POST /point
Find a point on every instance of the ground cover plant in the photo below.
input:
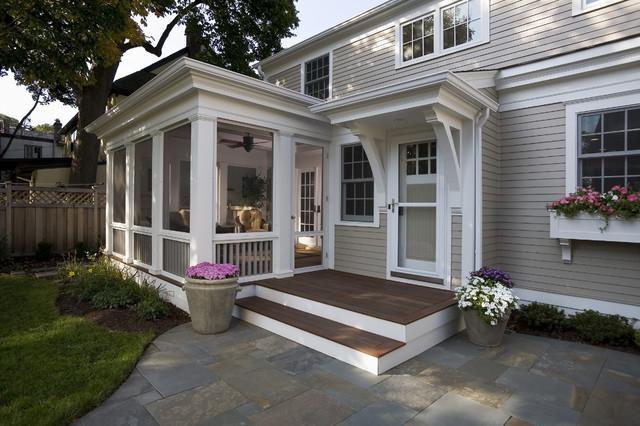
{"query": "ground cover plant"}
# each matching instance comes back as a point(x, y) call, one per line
point(55, 368)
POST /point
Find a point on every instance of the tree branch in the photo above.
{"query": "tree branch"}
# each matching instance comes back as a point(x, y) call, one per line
point(15, 131)
point(157, 49)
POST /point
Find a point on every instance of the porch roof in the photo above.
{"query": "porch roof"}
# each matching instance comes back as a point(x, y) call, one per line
point(186, 75)
point(444, 88)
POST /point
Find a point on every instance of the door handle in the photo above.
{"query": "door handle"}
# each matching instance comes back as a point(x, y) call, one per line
point(392, 206)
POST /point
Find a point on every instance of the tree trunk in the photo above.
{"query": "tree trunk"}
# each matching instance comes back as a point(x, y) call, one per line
point(92, 102)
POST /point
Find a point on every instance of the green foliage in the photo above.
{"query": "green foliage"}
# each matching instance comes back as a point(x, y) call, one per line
point(542, 317)
point(105, 286)
point(151, 305)
point(636, 338)
point(54, 369)
point(594, 327)
point(44, 128)
point(44, 250)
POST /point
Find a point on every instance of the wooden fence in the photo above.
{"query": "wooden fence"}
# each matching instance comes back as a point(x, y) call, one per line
point(61, 216)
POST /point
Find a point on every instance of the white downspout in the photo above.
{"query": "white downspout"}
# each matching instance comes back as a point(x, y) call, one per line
point(480, 120)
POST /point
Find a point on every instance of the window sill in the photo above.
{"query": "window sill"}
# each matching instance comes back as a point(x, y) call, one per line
point(592, 228)
point(359, 224)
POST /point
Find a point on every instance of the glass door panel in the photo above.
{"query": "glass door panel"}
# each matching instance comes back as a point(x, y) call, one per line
point(417, 206)
point(308, 232)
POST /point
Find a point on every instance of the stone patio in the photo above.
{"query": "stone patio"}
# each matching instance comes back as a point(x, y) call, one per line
point(249, 376)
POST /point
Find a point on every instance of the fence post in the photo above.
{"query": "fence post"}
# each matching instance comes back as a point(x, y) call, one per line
point(96, 223)
point(9, 217)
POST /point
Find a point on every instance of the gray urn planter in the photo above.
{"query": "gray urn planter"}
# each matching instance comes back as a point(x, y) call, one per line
point(211, 303)
point(482, 334)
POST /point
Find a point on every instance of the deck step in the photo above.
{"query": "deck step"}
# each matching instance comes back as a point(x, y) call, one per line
point(351, 337)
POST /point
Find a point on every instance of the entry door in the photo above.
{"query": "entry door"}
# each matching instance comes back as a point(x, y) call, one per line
point(308, 230)
point(414, 209)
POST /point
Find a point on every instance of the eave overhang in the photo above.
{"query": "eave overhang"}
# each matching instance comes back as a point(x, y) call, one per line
point(445, 89)
point(187, 75)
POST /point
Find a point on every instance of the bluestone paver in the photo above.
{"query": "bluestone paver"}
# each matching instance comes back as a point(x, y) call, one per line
point(411, 391)
point(382, 413)
point(455, 410)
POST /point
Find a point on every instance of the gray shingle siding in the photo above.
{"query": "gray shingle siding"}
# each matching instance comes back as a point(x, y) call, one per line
point(362, 250)
point(521, 31)
point(532, 175)
point(289, 78)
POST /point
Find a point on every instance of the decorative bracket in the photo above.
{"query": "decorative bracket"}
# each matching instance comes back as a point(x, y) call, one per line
point(367, 135)
point(443, 123)
point(565, 246)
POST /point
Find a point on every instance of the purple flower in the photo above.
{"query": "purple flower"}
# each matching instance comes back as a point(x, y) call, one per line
point(212, 271)
point(495, 275)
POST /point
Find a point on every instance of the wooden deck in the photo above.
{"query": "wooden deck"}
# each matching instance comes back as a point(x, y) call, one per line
point(388, 300)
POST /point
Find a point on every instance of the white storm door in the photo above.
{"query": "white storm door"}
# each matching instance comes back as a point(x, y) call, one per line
point(414, 209)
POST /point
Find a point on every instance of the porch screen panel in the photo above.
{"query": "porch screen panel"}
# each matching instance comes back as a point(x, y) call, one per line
point(142, 248)
point(142, 184)
point(118, 241)
point(175, 256)
point(119, 185)
point(177, 179)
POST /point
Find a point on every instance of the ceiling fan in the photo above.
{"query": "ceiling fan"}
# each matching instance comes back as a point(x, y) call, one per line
point(248, 142)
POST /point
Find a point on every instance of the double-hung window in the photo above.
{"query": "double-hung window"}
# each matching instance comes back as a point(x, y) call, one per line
point(460, 23)
point(32, 151)
point(417, 38)
point(357, 185)
point(583, 6)
point(316, 77)
point(609, 148)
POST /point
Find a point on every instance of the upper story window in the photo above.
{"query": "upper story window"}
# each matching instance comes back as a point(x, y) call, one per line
point(316, 77)
point(417, 38)
point(357, 185)
point(32, 151)
point(609, 149)
point(460, 23)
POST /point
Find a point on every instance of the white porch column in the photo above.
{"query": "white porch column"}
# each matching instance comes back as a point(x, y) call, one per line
point(284, 176)
point(157, 187)
point(108, 211)
point(128, 209)
point(202, 211)
point(468, 175)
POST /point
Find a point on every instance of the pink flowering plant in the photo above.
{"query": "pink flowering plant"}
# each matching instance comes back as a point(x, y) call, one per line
point(620, 202)
point(212, 271)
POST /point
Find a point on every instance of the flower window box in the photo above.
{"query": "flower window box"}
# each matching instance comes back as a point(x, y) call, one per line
point(586, 226)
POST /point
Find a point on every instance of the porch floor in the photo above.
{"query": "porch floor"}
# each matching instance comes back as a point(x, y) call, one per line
point(388, 300)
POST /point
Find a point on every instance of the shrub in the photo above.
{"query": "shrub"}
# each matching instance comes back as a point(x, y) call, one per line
point(151, 305)
point(81, 249)
point(105, 286)
point(637, 338)
point(44, 250)
point(594, 327)
point(539, 316)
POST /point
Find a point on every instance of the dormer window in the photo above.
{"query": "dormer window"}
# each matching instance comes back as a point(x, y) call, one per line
point(460, 23)
point(417, 38)
point(316, 77)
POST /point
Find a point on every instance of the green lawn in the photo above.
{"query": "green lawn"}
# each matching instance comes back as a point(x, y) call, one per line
point(55, 368)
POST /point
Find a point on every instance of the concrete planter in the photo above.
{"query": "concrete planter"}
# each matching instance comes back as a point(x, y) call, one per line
point(211, 303)
point(482, 334)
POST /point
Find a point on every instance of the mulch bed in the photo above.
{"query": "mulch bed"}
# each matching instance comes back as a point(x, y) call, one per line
point(120, 319)
point(568, 335)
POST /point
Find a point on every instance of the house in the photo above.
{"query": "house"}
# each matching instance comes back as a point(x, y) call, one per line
point(381, 161)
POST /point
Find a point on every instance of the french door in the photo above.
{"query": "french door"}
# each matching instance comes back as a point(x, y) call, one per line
point(414, 210)
point(308, 227)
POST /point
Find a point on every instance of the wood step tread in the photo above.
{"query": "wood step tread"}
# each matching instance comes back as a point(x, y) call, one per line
point(360, 340)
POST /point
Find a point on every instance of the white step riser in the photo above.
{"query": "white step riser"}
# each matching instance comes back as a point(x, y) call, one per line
point(354, 319)
point(320, 344)
point(421, 344)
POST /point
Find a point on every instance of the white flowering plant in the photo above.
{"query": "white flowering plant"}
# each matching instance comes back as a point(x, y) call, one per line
point(492, 300)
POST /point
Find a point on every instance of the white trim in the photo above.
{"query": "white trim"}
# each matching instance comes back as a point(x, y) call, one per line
point(576, 108)
point(592, 228)
point(578, 7)
point(575, 303)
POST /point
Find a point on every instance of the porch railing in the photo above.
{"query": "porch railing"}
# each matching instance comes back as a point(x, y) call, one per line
point(253, 257)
